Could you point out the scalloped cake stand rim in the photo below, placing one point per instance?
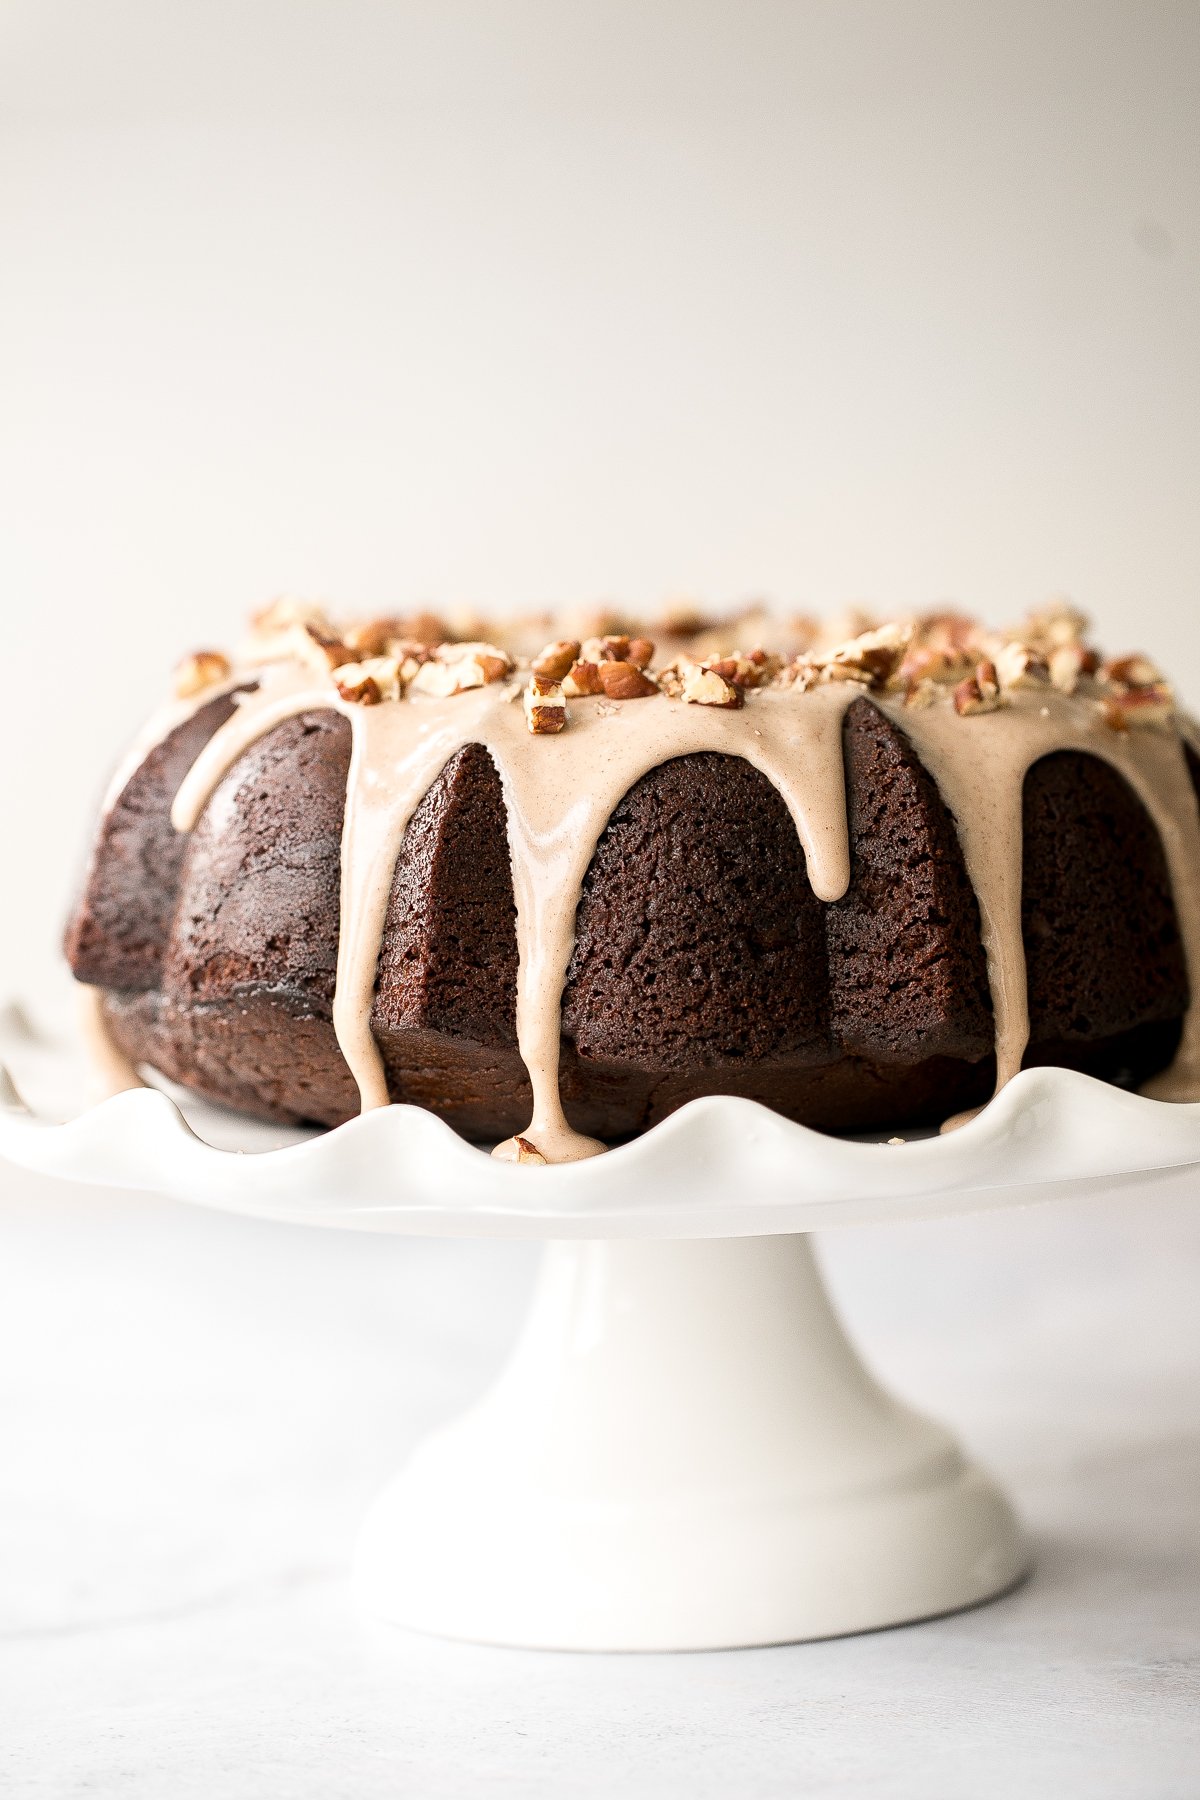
(719, 1167)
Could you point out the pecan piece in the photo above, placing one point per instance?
(979, 693)
(545, 705)
(368, 682)
(1020, 666)
(1068, 662)
(581, 679)
(202, 669)
(556, 660)
(456, 668)
(1137, 707)
(706, 687)
(317, 648)
(621, 681)
(1131, 672)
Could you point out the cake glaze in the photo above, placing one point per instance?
(563, 792)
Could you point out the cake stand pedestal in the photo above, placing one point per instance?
(684, 1451)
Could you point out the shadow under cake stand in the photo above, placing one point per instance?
(684, 1450)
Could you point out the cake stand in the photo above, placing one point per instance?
(684, 1451)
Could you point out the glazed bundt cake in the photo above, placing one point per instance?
(553, 897)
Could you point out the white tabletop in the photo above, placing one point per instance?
(196, 1410)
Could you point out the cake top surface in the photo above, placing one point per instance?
(918, 660)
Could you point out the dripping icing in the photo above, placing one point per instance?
(560, 793)
(984, 793)
(556, 809)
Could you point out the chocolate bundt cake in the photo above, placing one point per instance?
(553, 898)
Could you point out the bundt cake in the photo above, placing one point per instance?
(552, 897)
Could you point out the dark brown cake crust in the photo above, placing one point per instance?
(118, 934)
(703, 962)
(1102, 946)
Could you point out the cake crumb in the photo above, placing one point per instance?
(897, 1140)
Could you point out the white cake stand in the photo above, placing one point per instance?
(684, 1451)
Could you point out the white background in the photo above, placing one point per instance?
(513, 300)
(501, 302)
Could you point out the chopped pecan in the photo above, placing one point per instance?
(1138, 706)
(527, 1151)
(202, 669)
(1055, 626)
(920, 693)
(581, 679)
(318, 649)
(456, 668)
(545, 705)
(556, 660)
(955, 634)
(706, 687)
(928, 662)
(621, 681)
(1020, 666)
(370, 681)
(1131, 672)
(612, 647)
(871, 658)
(281, 614)
(979, 693)
(1069, 661)
(384, 636)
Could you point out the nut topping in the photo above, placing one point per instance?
(384, 636)
(318, 649)
(369, 682)
(621, 681)
(1131, 672)
(202, 669)
(456, 668)
(295, 631)
(1138, 706)
(1055, 626)
(872, 658)
(927, 662)
(581, 679)
(705, 687)
(281, 614)
(1068, 662)
(612, 648)
(979, 693)
(920, 693)
(938, 659)
(545, 705)
(556, 660)
(1019, 666)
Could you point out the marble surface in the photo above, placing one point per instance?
(196, 1409)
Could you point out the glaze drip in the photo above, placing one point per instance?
(984, 792)
(559, 796)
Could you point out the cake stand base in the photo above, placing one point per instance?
(683, 1453)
